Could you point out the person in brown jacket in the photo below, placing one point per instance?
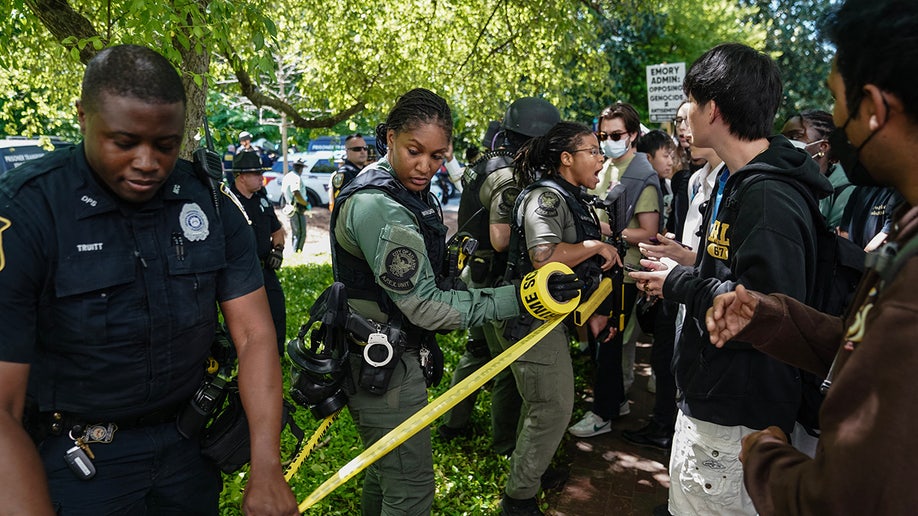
(866, 457)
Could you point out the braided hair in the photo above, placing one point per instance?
(541, 156)
(819, 120)
(414, 108)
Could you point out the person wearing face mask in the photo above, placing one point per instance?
(810, 130)
(619, 130)
(864, 464)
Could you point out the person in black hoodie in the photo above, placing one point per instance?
(759, 234)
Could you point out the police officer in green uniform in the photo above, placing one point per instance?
(113, 257)
(557, 225)
(488, 194)
(296, 204)
(389, 250)
(248, 186)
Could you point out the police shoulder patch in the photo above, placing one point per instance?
(402, 264)
(548, 204)
(337, 180)
(508, 197)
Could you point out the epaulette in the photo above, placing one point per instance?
(14, 180)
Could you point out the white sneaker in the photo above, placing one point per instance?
(624, 408)
(590, 425)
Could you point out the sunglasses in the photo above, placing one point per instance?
(616, 136)
(358, 149)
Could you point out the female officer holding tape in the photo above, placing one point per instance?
(388, 248)
(557, 226)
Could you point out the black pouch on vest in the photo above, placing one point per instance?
(518, 327)
(479, 269)
(376, 373)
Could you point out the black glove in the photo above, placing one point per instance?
(275, 258)
(564, 287)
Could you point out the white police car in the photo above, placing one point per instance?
(318, 169)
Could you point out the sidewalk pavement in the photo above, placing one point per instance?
(610, 476)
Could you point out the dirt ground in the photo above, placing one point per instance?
(317, 250)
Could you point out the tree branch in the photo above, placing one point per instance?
(259, 99)
(63, 22)
(480, 35)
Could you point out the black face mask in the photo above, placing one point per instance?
(848, 156)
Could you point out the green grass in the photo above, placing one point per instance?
(469, 476)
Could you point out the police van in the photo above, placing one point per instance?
(16, 150)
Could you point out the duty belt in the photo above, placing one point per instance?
(56, 423)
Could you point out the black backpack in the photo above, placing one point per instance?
(839, 261)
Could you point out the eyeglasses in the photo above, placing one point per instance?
(616, 136)
(358, 149)
(679, 119)
(594, 151)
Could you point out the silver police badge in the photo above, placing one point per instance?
(194, 223)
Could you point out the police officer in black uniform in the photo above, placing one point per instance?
(113, 257)
(489, 191)
(269, 234)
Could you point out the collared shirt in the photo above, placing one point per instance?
(113, 304)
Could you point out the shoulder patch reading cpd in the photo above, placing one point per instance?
(401, 265)
(548, 204)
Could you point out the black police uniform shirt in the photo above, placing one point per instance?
(264, 220)
(114, 305)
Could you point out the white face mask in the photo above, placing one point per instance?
(617, 149)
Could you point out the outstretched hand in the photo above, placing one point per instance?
(730, 313)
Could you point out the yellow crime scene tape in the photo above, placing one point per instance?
(534, 292)
(310, 445)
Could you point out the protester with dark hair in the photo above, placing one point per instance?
(810, 131)
(864, 462)
(113, 258)
(619, 133)
(557, 226)
(755, 226)
(388, 248)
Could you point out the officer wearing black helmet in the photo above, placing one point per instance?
(489, 192)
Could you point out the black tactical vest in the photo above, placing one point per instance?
(355, 272)
(473, 217)
(585, 223)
